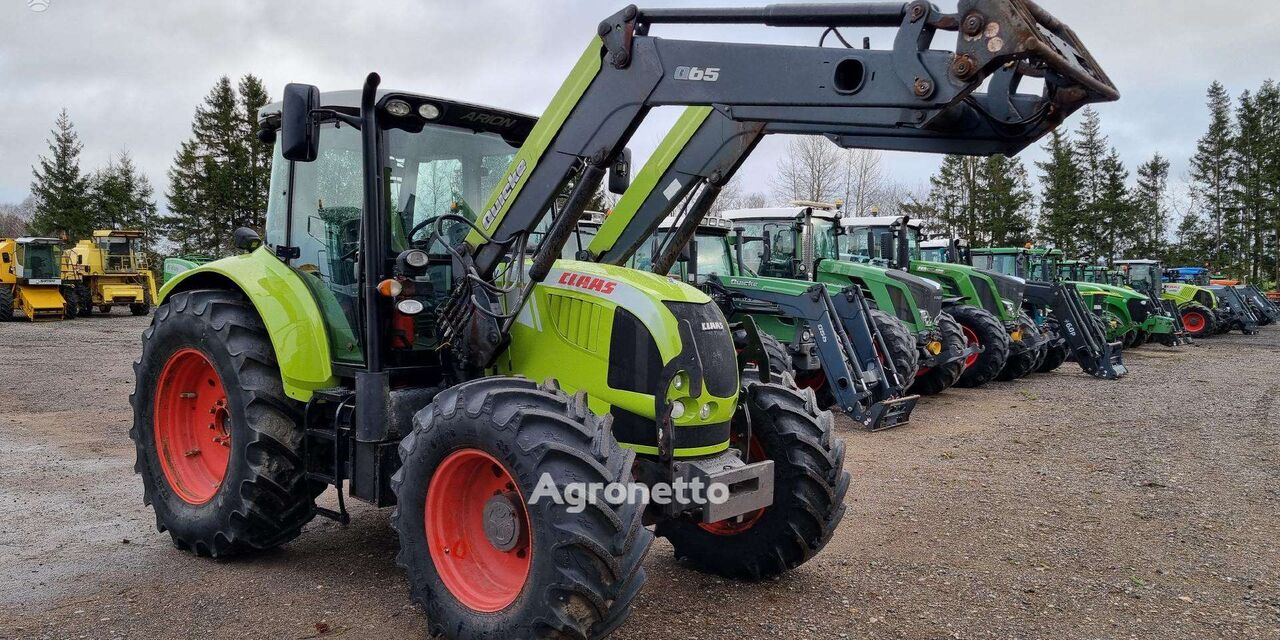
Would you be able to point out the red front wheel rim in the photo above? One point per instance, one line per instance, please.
(1193, 321)
(970, 339)
(484, 568)
(734, 526)
(192, 426)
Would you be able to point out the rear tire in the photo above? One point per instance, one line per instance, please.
(989, 333)
(579, 572)
(779, 356)
(6, 303)
(939, 379)
(208, 344)
(808, 496)
(901, 344)
(86, 299)
(1198, 320)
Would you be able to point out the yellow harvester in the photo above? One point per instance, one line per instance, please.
(109, 271)
(31, 280)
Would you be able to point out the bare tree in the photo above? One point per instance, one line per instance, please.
(812, 169)
(14, 218)
(863, 181)
(732, 197)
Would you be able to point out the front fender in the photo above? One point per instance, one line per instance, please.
(287, 308)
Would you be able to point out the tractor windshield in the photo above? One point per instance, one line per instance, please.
(1006, 263)
(436, 171)
(117, 254)
(769, 247)
(712, 257)
(1145, 277)
(39, 261)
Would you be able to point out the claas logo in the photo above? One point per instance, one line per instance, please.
(587, 282)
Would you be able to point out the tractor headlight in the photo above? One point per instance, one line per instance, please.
(678, 382)
(706, 410)
(399, 108)
(677, 409)
(410, 307)
(429, 111)
(416, 259)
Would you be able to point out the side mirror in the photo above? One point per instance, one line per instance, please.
(299, 130)
(620, 173)
(246, 239)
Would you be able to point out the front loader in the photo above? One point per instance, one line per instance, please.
(1144, 276)
(1266, 311)
(31, 282)
(384, 339)
(1058, 306)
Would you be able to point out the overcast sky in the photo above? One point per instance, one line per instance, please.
(131, 73)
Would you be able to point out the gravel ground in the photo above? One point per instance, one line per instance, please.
(1054, 507)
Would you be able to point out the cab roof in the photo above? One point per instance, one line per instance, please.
(34, 240)
(879, 221)
(778, 213)
(118, 233)
(512, 125)
(1151, 262)
(941, 243)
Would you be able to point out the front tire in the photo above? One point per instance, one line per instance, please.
(1198, 320)
(901, 344)
(537, 570)
(939, 379)
(71, 308)
(1057, 353)
(1023, 364)
(6, 303)
(808, 497)
(983, 329)
(219, 443)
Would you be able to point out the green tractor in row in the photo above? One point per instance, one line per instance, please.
(987, 304)
(529, 418)
(1131, 316)
(1057, 308)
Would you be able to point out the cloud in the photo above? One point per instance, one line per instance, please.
(131, 73)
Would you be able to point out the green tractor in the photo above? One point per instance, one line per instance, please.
(804, 242)
(1145, 277)
(1129, 315)
(1074, 332)
(174, 265)
(987, 304)
(529, 417)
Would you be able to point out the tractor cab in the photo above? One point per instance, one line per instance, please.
(789, 242)
(36, 261)
(1198, 276)
(1011, 261)
(1072, 271)
(953, 250)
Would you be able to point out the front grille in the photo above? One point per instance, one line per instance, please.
(987, 296)
(1009, 288)
(714, 345)
(634, 361)
(923, 291)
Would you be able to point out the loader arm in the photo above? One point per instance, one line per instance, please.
(909, 97)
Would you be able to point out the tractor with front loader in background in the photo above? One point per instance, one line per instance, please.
(830, 344)
(1129, 316)
(1204, 312)
(383, 342)
(31, 280)
(1233, 310)
(1057, 308)
(987, 304)
(110, 271)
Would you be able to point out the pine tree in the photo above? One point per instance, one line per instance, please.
(1151, 209)
(1060, 199)
(220, 177)
(122, 198)
(1091, 151)
(954, 196)
(1004, 202)
(1115, 222)
(1211, 171)
(60, 190)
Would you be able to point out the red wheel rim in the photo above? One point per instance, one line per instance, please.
(734, 526)
(1193, 321)
(971, 340)
(480, 575)
(192, 426)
